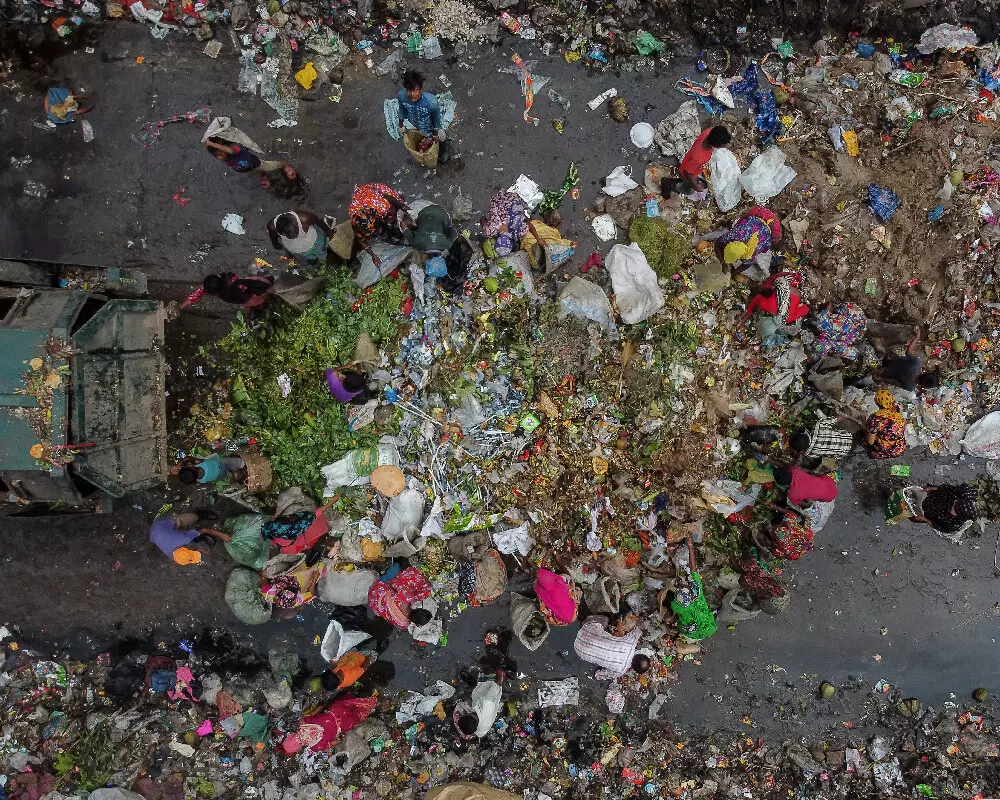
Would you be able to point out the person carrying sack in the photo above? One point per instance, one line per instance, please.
(421, 110)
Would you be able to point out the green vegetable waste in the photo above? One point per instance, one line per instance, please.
(307, 429)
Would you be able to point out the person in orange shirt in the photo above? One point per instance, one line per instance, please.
(694, 162)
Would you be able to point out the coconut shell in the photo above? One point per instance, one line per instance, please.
(909, 707)
(618, 109)
(388, 480)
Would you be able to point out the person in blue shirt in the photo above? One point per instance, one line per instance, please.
(209, 470)
(418, 107)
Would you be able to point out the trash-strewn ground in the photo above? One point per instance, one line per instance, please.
(882, 620)
(74, 727)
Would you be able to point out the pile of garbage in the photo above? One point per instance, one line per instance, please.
(615, 434)
(208, 718)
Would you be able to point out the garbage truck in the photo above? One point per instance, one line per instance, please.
(82, 402)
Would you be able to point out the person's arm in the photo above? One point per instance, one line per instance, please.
(784, 509)
(911, 346)
(257, 285)
(220, 147)
(309, 219)
(275, 241)
(192, 298)
(365, 245)
(222, 537)
(398, 199)
(435, 112)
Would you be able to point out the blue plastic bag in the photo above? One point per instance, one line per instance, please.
(884, 202)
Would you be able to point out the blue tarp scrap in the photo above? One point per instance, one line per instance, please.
(884, 202)
(768, 122)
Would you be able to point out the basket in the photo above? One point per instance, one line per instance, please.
(259, 472)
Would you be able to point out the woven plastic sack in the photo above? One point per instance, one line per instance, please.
(346, 587)
(246, 547)
(523, 612)
(244, 597)
(983, 437)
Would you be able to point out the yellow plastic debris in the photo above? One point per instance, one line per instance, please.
(307, 76)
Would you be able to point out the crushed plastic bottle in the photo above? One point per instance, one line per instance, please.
(906, 78)
(555, 97)
(88, 131)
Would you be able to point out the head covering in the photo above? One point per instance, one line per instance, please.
(554, 592)
(365, 222)
(966, 506)
(735, 251)
(185, 556)
(887, 406)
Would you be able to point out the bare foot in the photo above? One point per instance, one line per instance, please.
(290, 173)
(265, 182)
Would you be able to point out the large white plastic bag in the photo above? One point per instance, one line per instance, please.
(983, 437)
(767, 175)
(404, 515)
(725, 179)
(636, 291)
(356, 467)
(581, 298)
(338, 642)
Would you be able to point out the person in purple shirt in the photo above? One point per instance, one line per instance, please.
(348, 386)
(172, 534)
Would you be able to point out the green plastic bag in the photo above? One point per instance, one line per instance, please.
(247, 547)
(244, 597)
(647, 44)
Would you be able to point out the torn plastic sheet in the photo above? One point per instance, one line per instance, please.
(415, 705)
(280, 95)
(514, 540)
(728, 497)
(559, 693)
